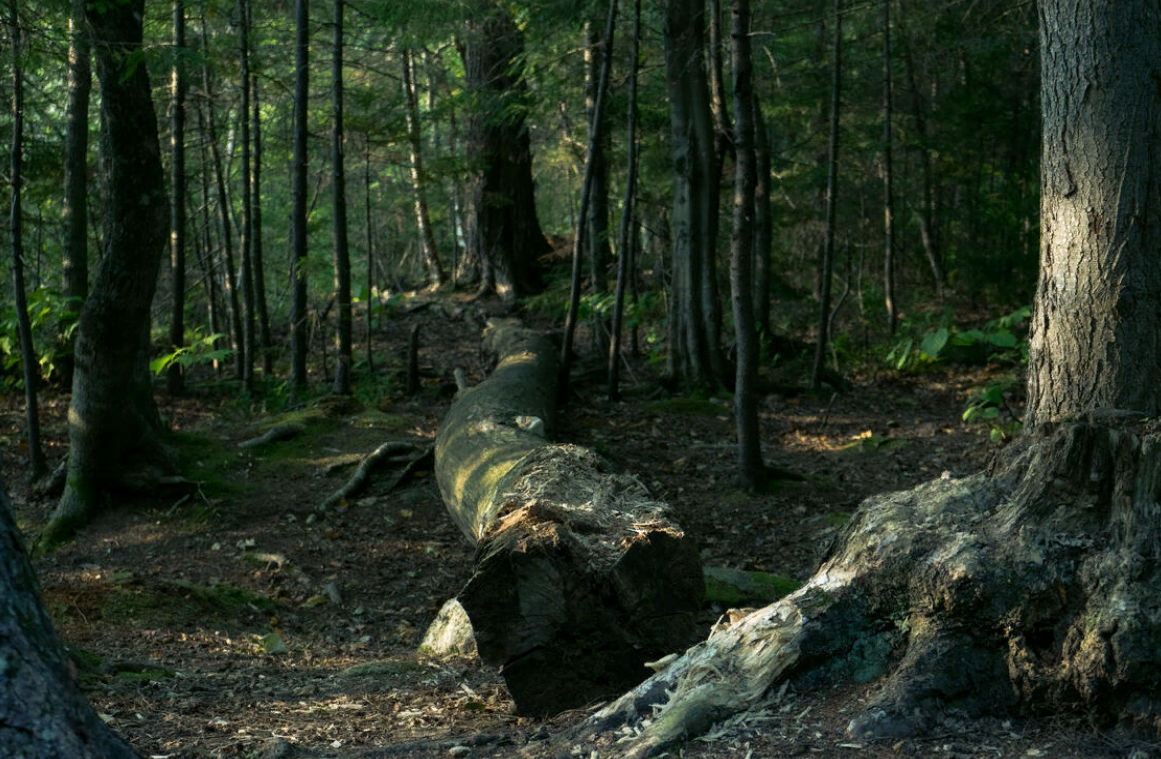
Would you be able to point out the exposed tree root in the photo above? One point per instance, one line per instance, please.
(388, 453)
(281, 432)
(1034, 588)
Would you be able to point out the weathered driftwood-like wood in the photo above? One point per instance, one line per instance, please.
(1031, 588)
(580, 576)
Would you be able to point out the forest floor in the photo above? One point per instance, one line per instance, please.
(243, 621)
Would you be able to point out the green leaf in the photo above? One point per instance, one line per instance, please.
(935, 342)
(1002, 339)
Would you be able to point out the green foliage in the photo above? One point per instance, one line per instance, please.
(53, 319)
(999, 341)
(201, 350)
(989, 406)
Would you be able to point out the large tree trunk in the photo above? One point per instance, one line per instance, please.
(578, 571)
(1033, 587)
(696, 312)
(504, 235)
(42, 711)
(113, 421)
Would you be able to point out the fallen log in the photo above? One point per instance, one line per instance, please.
(580, 577)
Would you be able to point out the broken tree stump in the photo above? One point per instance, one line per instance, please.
(580, 577)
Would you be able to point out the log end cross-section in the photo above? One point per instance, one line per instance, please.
(580, 576)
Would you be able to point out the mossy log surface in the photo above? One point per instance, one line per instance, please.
(1029, 589)
(580, 577)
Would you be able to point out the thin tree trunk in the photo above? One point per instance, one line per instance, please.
(579, 246)
(36, 460)
(927, 212)
(246, 238)
(342, 383)
(371, 298)
(229, 281)
(267, 341)
(888, 177)
(207, 253)
(431, 264)
(298, 304)
(715, 60)
(625, 246)
(596, 50)
(76, 182)
(751, 470)
(831, 200)
(763, 225)
(175, 374)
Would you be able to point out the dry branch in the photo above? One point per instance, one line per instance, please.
(388, 453)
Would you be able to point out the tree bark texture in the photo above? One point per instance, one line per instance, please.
(76, 181)
(827, 261)
(580, 576)
(696, 318)
(38, 465)
(628, 215)
(763, 224)
(431, 263)
(585, 223)
(113, 421)
(344, 358)
(246, 236)
(890, 296)
(298, 304)
(229, 279)
(751, 469)
(1101, 215)
(175, 374)
(42, 711)
(504, 235)
(256, 224)
(597, 49)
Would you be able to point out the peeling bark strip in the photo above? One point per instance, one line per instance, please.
(580, 576)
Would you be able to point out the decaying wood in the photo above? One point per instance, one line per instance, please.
(580, 576)
(281, 432)
(1030, 588)
(388, 453)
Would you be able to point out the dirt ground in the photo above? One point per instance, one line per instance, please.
(244, 621)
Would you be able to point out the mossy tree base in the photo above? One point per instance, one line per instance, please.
(1029, 589)
(580, 577)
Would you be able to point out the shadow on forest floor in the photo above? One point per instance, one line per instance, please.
(247, 622)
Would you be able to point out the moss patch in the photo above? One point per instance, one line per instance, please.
(179, 603)
(736, 587)
(374, 419)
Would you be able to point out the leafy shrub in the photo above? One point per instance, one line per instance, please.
(53, 318)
